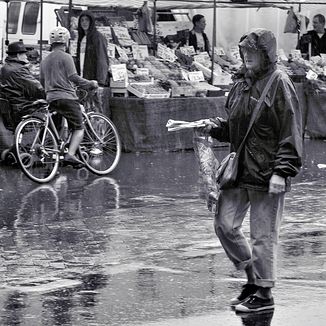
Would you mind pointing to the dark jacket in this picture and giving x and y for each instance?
(96, 64)
(17, 84)
(193, 41)
(274, 144)
(318, 44)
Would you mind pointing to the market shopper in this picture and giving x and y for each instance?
(58, 75)
(197, 37)
(314, 40)
(17, 84)
(270, 157)
(92, 60)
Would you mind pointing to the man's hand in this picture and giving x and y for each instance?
(276, 184)
(94, 84)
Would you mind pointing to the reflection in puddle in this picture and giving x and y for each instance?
(138, 246)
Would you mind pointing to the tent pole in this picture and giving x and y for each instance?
(7, 24)
(154, 29)
(69, 16)
(41, 31)
(213, 42)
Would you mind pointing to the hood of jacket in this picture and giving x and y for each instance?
(259, 40)
(92, 27)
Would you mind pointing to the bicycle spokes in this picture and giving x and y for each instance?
(37, 150)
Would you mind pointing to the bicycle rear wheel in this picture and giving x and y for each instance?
(38, 160)
(100, 148)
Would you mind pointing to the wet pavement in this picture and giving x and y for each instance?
(138, 247)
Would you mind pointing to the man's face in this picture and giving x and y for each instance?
(317, 25)
(84, 23)
(201, 24)
(22, 57)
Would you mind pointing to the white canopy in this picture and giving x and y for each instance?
(179, 4)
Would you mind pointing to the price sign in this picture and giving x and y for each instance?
(111, 50)
(196, 76)
(122, 53)
(139, 51)
(188, 50)
(142, 71)
(121, 32)
(296, 54)
(219, 51)
(165, 53)
(119, 72)
(311, 75)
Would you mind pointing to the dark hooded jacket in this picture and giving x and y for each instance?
(274, 144)
(96, 64)
(17, 84)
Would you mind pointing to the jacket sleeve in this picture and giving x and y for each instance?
(102, 68)
(221, 133)
(288, 158)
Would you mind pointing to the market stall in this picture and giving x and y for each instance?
(152, 82)
(142, 122)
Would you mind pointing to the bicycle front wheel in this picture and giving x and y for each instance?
(100, 148)
(37, 150)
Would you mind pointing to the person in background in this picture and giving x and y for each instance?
(316, 38)
(271, 155)
(197, 38)
(144, 16)
(92, 60)
(17, 84)
(58, 75)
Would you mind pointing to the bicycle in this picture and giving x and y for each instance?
(40, 146)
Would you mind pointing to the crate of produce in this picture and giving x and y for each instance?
(183, 91)
(148, 91)
(118, 83)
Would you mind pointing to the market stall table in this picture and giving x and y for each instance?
(142, 122)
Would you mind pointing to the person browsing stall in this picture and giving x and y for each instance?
(270, 157)
(197, 37)
(58, 75)
(315, 38)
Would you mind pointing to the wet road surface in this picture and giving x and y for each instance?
(138, 248)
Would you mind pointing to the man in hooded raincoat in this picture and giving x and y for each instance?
(270, 157)
(92, 60)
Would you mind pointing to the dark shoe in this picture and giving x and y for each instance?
(247, 291)
(73, 161)
(9, 158)
(255, 303)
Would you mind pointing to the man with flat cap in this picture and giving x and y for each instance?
(17, 84)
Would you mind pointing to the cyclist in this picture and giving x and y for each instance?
(58, 75)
